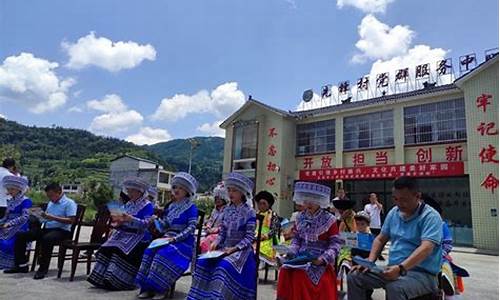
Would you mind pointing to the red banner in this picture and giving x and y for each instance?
(441, 169)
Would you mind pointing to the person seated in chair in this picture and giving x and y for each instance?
(212, 226)
(57, 220)
(16, 218)
(119, 258)
(233, 275)
(317, 237)
(415, 232)
(161, 267)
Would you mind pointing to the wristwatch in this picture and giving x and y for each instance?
(402, 270)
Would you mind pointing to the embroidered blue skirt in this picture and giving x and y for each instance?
(115, 270)
(161, 268)
(230, 278)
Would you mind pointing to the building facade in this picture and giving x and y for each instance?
(126, 165)
(446, 136)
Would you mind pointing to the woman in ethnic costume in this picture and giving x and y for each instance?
(270, 226)
(317, 234)
(119, 258)
(15, 219)
(234, 275)
(161, 267)
(212, 225)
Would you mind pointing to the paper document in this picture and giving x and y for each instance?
(370, 265)
(115, 208)
(159, 243)
(212, 254)
(282, 249)
(36, 212)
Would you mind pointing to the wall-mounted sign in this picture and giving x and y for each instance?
(442, 169)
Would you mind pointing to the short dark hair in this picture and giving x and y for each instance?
(265, 195)
(406, 182)
(8, 163)
(54, 186)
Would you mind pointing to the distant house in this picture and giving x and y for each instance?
(72, 188)
(152, 172)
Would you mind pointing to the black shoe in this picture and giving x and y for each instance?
(17, 270)
(40, 275)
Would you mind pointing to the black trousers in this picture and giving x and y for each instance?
(47, 239)
(375, 231)
(3, 209)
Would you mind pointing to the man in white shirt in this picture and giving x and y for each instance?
(374, 209)
(8, 168)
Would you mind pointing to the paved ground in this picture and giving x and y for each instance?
(482, 285)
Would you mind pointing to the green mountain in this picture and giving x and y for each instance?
(61, 154)
(206, 160)
(66, 155)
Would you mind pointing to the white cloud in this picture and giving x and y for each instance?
(380, 41)
(420, 54)
(222, 101)
(212, 129)
(75, 109)
(367, 6)
(104, 53)
(3, 117)
(117, 117)
(77, 94)
(32, 82)
(149, 136)
(116, 122)
(110, 103)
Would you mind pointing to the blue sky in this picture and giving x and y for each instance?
(121, 63)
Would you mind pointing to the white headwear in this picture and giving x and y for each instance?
(312, 193)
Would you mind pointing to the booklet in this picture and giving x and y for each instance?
(36, 212)
(159, 243)
(350, 238)
(159, 225)
(115, 208)
(301, 259)
(370, 265)
(287, 225)
(282, 249)
(212, 254)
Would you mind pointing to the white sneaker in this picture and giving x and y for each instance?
(160, 296)
(145, 295)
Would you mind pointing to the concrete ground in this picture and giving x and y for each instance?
(483, 283)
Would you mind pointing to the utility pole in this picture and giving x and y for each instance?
(194, 143)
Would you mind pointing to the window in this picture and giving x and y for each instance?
(435, 122)
(245, 141)
(369, 131)
(318, 137)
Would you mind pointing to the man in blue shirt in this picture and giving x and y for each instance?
(414, 230)
(57, 219)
